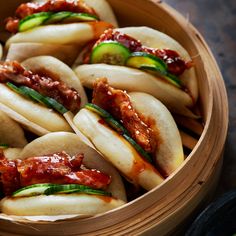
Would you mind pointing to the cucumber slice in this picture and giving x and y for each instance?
(115, 125)
(49, 189)
(138, 148)
(78, 17)
(142, 59)
(107, 117)
(98, 110)
(169, 77)
(34, 95)
(50, 102)
(110, 52)
(56, 105)
(173, 79)
(17, 89)
(34, 20)
(74, 188)
(57, 17)
(4, 146)
(32, 190)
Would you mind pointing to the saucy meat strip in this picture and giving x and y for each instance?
(118, 104)
(27, 9)
(9, 176)
(176, 65)
(45, 85)
(57, 168)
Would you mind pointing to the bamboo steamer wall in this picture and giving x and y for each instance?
(162, 210)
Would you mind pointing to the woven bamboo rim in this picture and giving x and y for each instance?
(161, 210)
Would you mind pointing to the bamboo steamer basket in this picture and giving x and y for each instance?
(164, 209)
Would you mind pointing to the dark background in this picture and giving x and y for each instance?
(216, 21)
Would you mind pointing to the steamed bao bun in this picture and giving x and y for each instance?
(63, 204)
(34, 116)
(12, 135)
(135, 80)
(169, 154)
(62, 41)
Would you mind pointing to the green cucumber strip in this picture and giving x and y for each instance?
(49, 189)
(140, 59)
(138, 148)
(74, 188)
(34, 20)
(78, 17)
(17, 89)
(107, 117)
(115, 125)
(110, 52)
(173, 79)
(50, 102)
(56, 105)
(4, 146)
(169, 77)
(34, 95)
(57, 17)
(32, 190)
(98, 110)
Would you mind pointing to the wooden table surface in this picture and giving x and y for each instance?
(216, 21)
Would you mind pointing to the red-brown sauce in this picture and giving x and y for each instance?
(56, 168)
(27, 9)
(176, 65)
(43, 81)
(106, 199)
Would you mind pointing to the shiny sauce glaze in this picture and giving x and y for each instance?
(44, 82)
(105, 199)
(56, 168)
(118, 104)
(27, 9)
(139, 164)
(176, 65)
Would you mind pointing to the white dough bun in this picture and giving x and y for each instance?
(11, 132)
(135, 80)
(169, 155)
(67, 204)
(37, 117)
(60, 204)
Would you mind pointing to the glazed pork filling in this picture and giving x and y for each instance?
(118, 104)
(15, 73)
(56, 168)
(175, 64)
(27, 9)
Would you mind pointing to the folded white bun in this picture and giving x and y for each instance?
(102, 8)
(61, 40)
(75, 33)
(169, 154)
(36, 117)
(117, 150)
(134, 80)
(72, 144)
(22, 51)
(11, 133)
(122, 154)
(156, 39)
(177, 100)
(62, 204)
